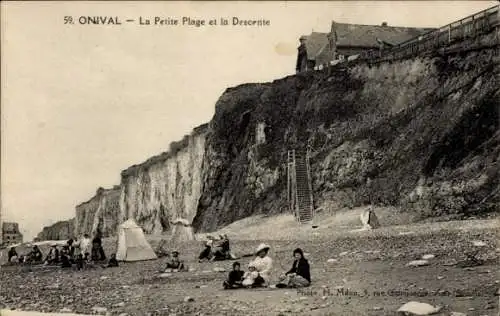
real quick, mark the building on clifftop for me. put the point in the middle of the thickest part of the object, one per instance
(11, 234)
(350, 40)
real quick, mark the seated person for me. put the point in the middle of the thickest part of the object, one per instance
(264, 264)
(12, 253)
(65, 261)
(53, 256)
(112, 261)
(160, 250)
(223, 251)
(235, 278)
(36, 255)
(175, 264)
(206, 254)
(250, 276)
(299, 275)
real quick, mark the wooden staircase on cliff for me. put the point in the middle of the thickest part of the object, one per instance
(300, 198)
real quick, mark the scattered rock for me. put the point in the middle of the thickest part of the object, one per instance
(121, 304)
(418, 263)
(324, 297)
(418, 308)
(303, 298)
(188, 299)
(498, 291)
(440, 277)
(479, 243)
(99, 310)
(123, 314)
(65, 310)
(165, 275)
(331, 260)
(428, 257)
(219, 269)
(104, 277)
(406, 233)
(377, 308)
(472, 309)
(457, 314)
(343, 253)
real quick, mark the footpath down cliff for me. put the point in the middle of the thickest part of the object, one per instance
(420, 134)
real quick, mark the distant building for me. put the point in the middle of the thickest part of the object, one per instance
(348, 40)
(11, 233)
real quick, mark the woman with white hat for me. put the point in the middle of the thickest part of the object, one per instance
(263, 264)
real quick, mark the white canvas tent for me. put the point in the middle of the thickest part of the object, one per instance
(132, 244)
(182, 231)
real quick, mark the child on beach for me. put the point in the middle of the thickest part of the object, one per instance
(250, 276)
(235, 277)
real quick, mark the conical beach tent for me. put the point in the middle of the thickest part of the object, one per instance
(132, 244)
(182, 231)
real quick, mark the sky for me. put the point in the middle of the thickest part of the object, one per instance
(80, 103)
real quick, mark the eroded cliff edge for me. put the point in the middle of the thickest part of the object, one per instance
(420, 134)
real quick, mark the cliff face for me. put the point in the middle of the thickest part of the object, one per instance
(58, 231)
(165, 187)
(101, 212)
(420, 134)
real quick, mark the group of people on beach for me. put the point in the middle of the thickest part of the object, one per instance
(67, 256)
(259, 271)
(216, 250)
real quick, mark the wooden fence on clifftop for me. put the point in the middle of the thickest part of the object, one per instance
(468, 28)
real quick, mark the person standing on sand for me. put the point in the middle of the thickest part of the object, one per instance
(85, 246)
(299, 275)
(263, 264)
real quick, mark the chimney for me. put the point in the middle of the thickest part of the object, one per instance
(384, 23)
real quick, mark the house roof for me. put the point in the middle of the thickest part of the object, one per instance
(315, 44)
(356, 35)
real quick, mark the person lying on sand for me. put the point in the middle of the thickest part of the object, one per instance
(299, 275)
(175, 264)
(234, 280)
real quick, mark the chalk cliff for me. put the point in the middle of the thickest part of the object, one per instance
(166, 186)
(58, 231)
(421, 134)
(101, 212)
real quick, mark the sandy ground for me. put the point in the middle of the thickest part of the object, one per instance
(368, 277)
